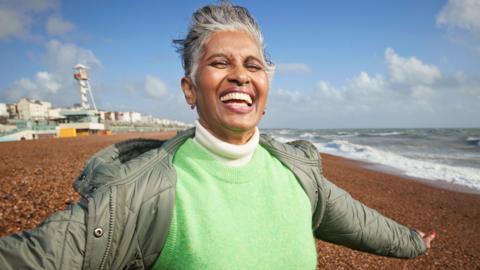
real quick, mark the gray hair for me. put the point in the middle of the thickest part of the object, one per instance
(214, 18)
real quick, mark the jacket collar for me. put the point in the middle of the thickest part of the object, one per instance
(299, 150)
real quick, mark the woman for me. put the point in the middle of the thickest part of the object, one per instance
(219, 196)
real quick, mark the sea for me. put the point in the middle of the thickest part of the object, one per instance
(438, 155)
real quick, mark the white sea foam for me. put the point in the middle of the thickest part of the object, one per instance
(307, 135)
(340, 134)
(469, 177)
(284, 131)
(283, 139)
(383, 134)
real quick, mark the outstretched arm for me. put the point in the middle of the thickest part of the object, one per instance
(58, 243)
(348, 222)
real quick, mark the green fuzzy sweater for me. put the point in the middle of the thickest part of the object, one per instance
(254, 216)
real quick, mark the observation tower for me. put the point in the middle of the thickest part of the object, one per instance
(81, 76)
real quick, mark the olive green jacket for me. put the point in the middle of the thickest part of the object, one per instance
(128, 194)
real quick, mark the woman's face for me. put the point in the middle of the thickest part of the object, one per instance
(231, 86)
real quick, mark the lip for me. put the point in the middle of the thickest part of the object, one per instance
(234, 107)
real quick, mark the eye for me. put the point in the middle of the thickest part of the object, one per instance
(219, 64)
(251, 66)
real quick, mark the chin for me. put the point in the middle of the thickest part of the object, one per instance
(240, 124)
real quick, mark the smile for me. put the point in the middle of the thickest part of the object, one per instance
(237, 97)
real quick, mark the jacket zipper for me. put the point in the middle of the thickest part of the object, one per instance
(111, 205)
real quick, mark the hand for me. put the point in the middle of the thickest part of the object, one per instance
(427, 238)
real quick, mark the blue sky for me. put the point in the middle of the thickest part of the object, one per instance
(340, 64)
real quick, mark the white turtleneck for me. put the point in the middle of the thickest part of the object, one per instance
(227, 153)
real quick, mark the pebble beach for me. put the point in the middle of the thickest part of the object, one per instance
(36, 180)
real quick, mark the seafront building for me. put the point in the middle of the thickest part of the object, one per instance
(31, 109)
(3, 110)
(30, 119)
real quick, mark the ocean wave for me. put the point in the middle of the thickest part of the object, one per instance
(464, 176)
(285, 131)
(307, 135)
(384, 134)
(347, 134)
(473, 141)
(340, 134)
(283, 139)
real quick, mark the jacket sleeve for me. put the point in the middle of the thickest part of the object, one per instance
(58, 243)
(348, 222)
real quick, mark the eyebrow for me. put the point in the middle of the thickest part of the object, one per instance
(217, 55)
(254, 58)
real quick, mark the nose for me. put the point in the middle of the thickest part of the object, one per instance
(239, 76)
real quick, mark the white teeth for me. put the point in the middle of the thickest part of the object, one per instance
(237, 96)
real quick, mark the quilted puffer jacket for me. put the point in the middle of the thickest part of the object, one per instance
(128, 195)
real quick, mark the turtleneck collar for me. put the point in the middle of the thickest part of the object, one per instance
(227, 153)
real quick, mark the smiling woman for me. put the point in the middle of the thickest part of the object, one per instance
(217, 196)
(232, 86)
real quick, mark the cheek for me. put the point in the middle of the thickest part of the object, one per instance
(207, 85)
(210, 78)
(262, 84)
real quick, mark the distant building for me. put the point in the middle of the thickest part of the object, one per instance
(147, 119)
(123, 117)
(3, 114)
(12, 111)
(101, 115)
(3, 110)
(110, 116)
(54, 114)
(34, 119)
(80, 122)
(163, 121)
(30, 109)
(135, 117)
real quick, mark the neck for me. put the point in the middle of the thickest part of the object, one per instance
(227, 153)
(231, 136)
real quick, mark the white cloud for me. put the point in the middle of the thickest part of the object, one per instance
(410, 70)
(463, 14)
(35, 5)
(155, 87)
(58, 26)
(288, 96)
(292, 68)
(46, 82)
(422, 92)
(56, 84)
(467, 84)
(365, 84)
(326, 90)
(42, 85)
(62, 57)
(17, 17)
(411, 94)
(13, 24)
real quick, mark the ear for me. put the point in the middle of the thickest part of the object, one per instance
(189, 90)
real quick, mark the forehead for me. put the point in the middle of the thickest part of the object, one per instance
(232, 43)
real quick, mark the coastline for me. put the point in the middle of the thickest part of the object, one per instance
(453, 215)
(32, 187)
(441, 184)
